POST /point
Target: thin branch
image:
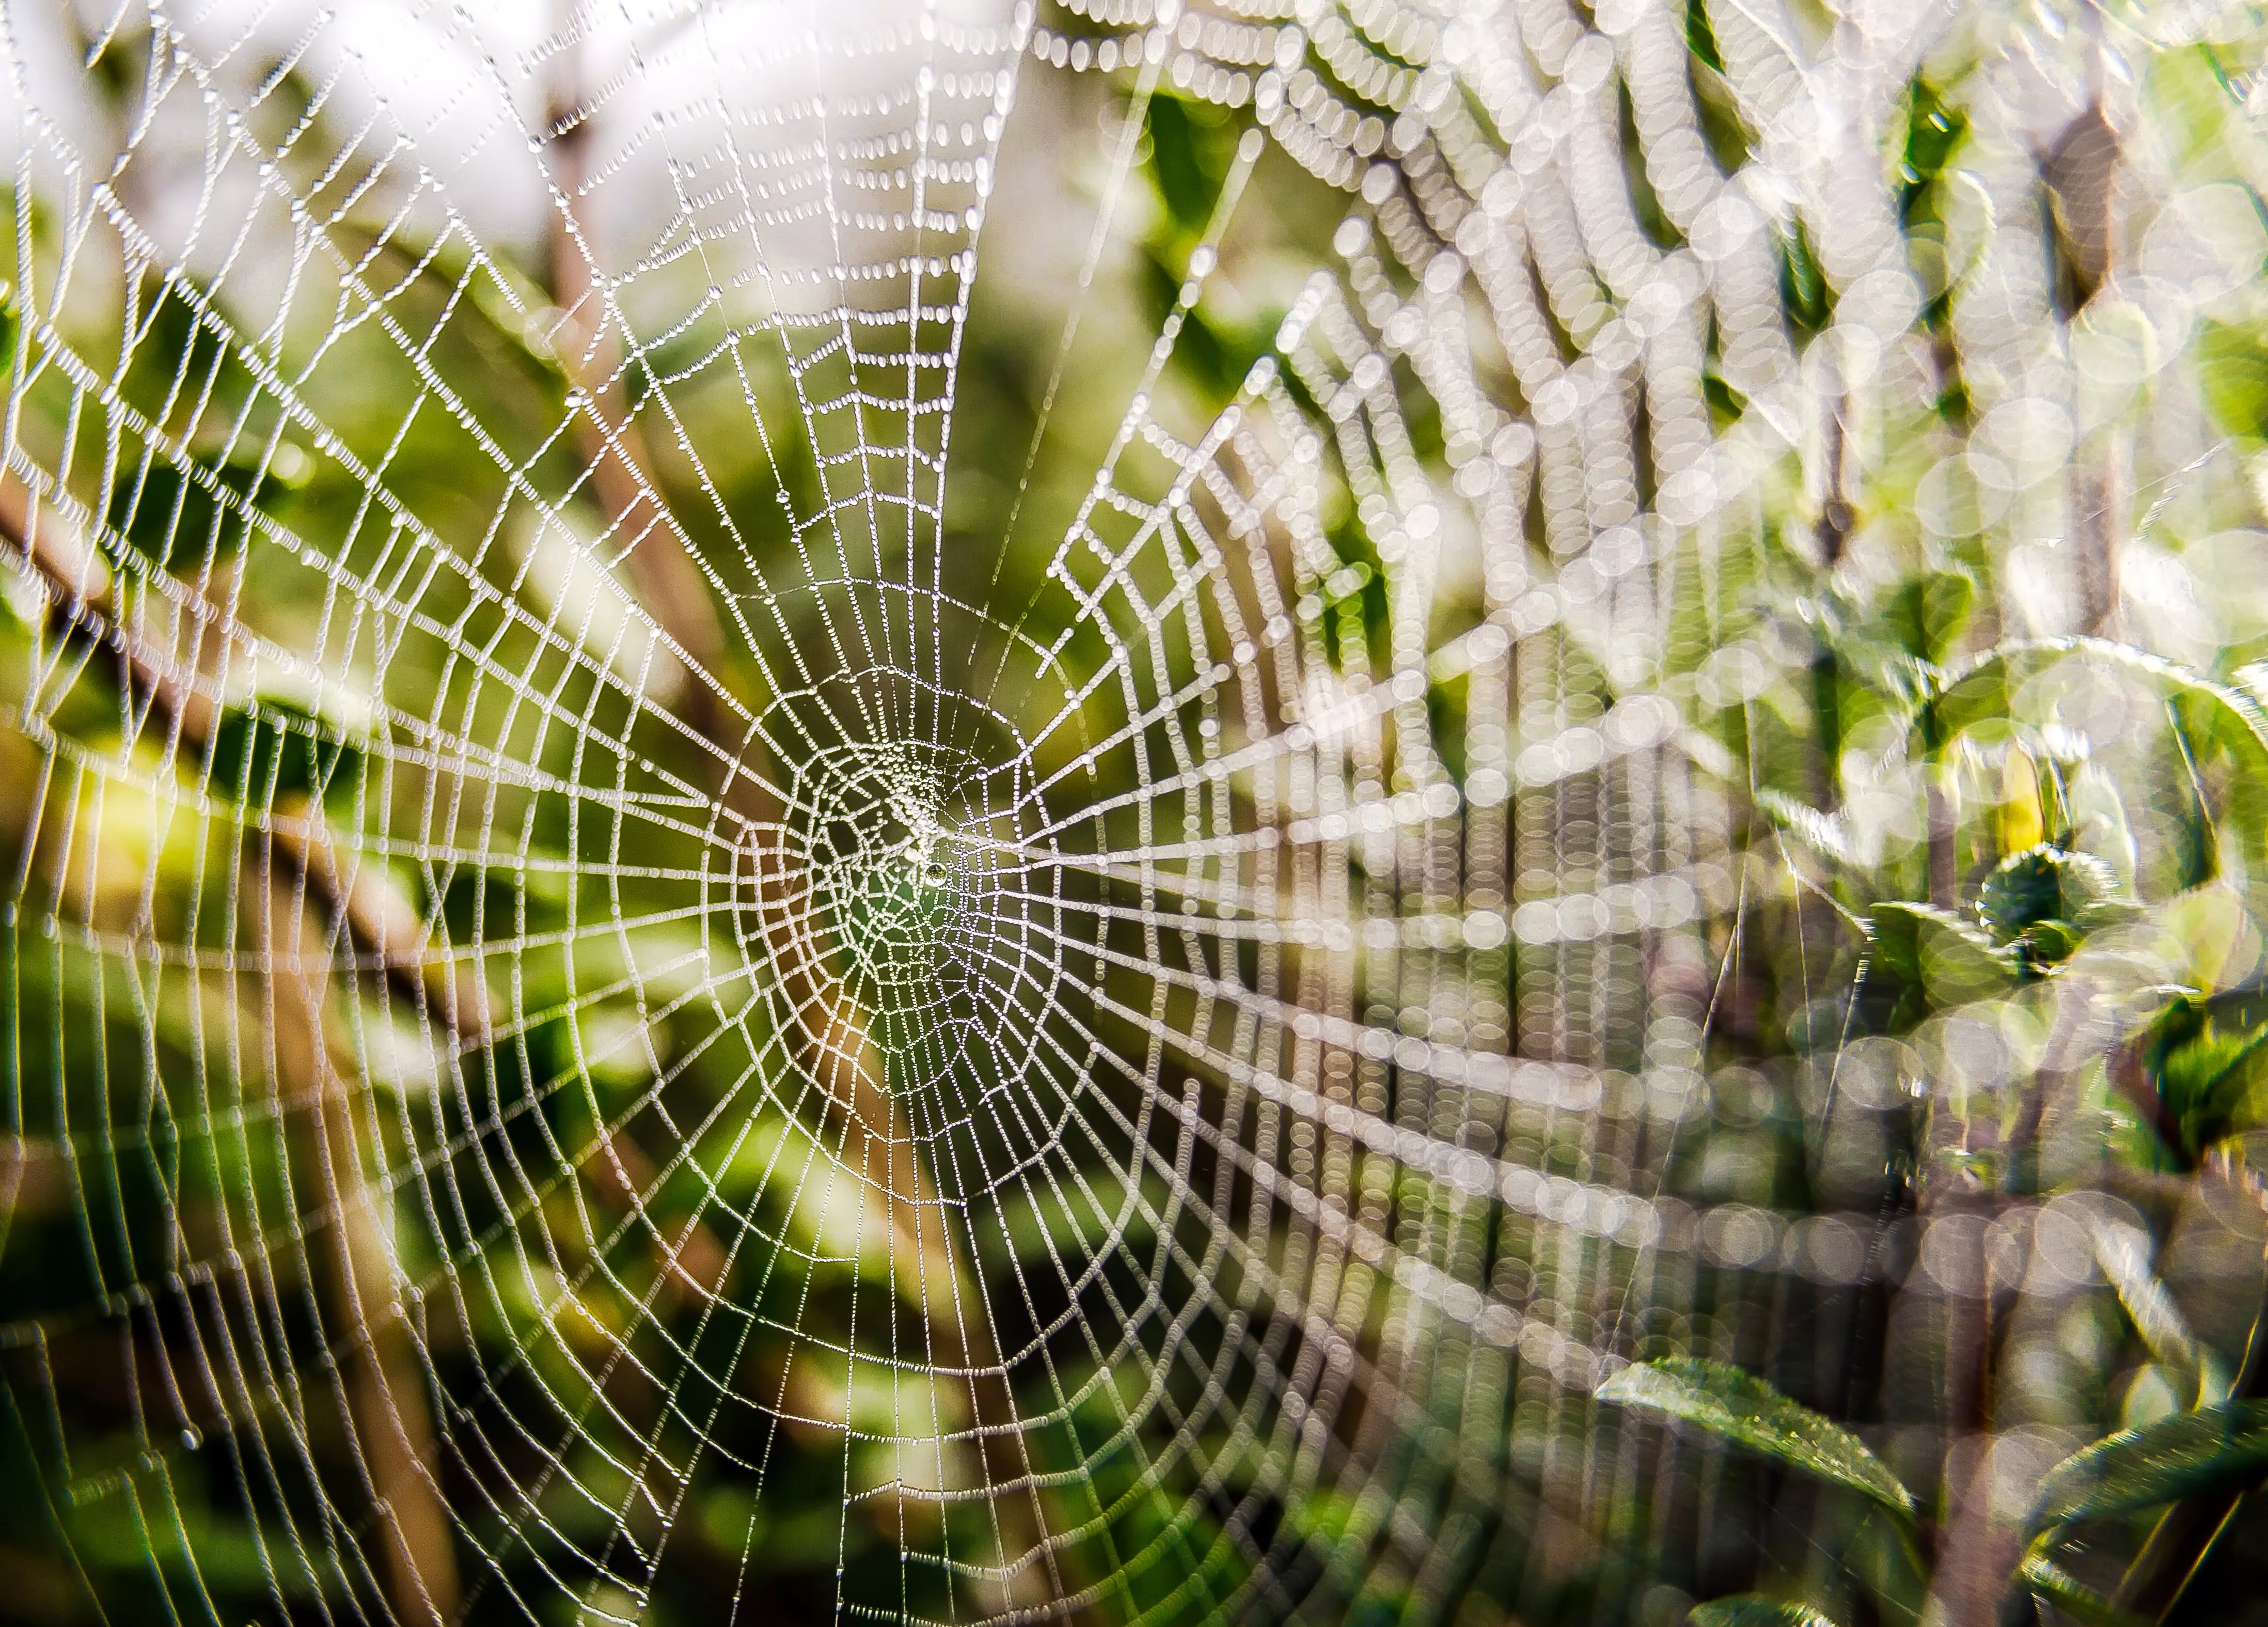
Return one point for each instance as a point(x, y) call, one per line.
point(392, 1426)
point(385, 1377)
point(667, 579)
point(383, 923)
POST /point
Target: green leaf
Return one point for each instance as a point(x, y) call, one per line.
point(2050, 1581)
point(1190, 144)
point(1701, 35)
point(2044, 900)
point(1740, 1408)
point(2251, 682)
point(1806, 298)
point(1935, 130)
point(2046, 883)
point(1823, 836)
point(2217, 721)
point(1936, 951)
point(2215, 1449)
point(2196, 842)
point(1723, 126)
point(276, 748)
point(1927, 613)
point(1757, 1610)
point(2122, 1251)
point(2206, 1055)
point(183, 513)
point(2232, 365)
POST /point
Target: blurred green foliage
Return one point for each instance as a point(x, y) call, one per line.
point(1943, 830)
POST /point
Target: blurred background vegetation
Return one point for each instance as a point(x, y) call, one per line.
point(1853, 853)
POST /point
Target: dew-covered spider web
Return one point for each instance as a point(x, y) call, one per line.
point(925, 811)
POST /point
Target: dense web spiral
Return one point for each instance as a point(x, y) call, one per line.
point(627, 1003)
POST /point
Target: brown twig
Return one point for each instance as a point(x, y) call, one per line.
point(2080, 174)
point(2099, 503)
point(81, 589)
point(623, 483)
point(694, 1260)
point(385, 926)
point(386, 1393)
point(1942, 834)
point(1832, 531)
point(392, 1427)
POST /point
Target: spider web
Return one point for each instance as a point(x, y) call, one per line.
point(605, 995)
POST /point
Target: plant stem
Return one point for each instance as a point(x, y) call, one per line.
point(393, 1433)
point(392, 1426)
point(662, 569)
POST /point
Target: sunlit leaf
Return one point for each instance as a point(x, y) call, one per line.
point(2050, 1581)
point(2218, 1448)
point(2218, 723)
point(2044, 900)
point(1935, 130)
point(1927, 613)
point(1757, 1610)
point(1823, 836)
point(2122, 1251)
point(2205, 1054)
point(2024, 825)
point(1940, 953)
point(1740, 1408)
point(2232, 364)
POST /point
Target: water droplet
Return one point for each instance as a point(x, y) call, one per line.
point(191, 1441)
point(933, 873)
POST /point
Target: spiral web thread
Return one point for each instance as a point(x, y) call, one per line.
point(1071, 1079)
